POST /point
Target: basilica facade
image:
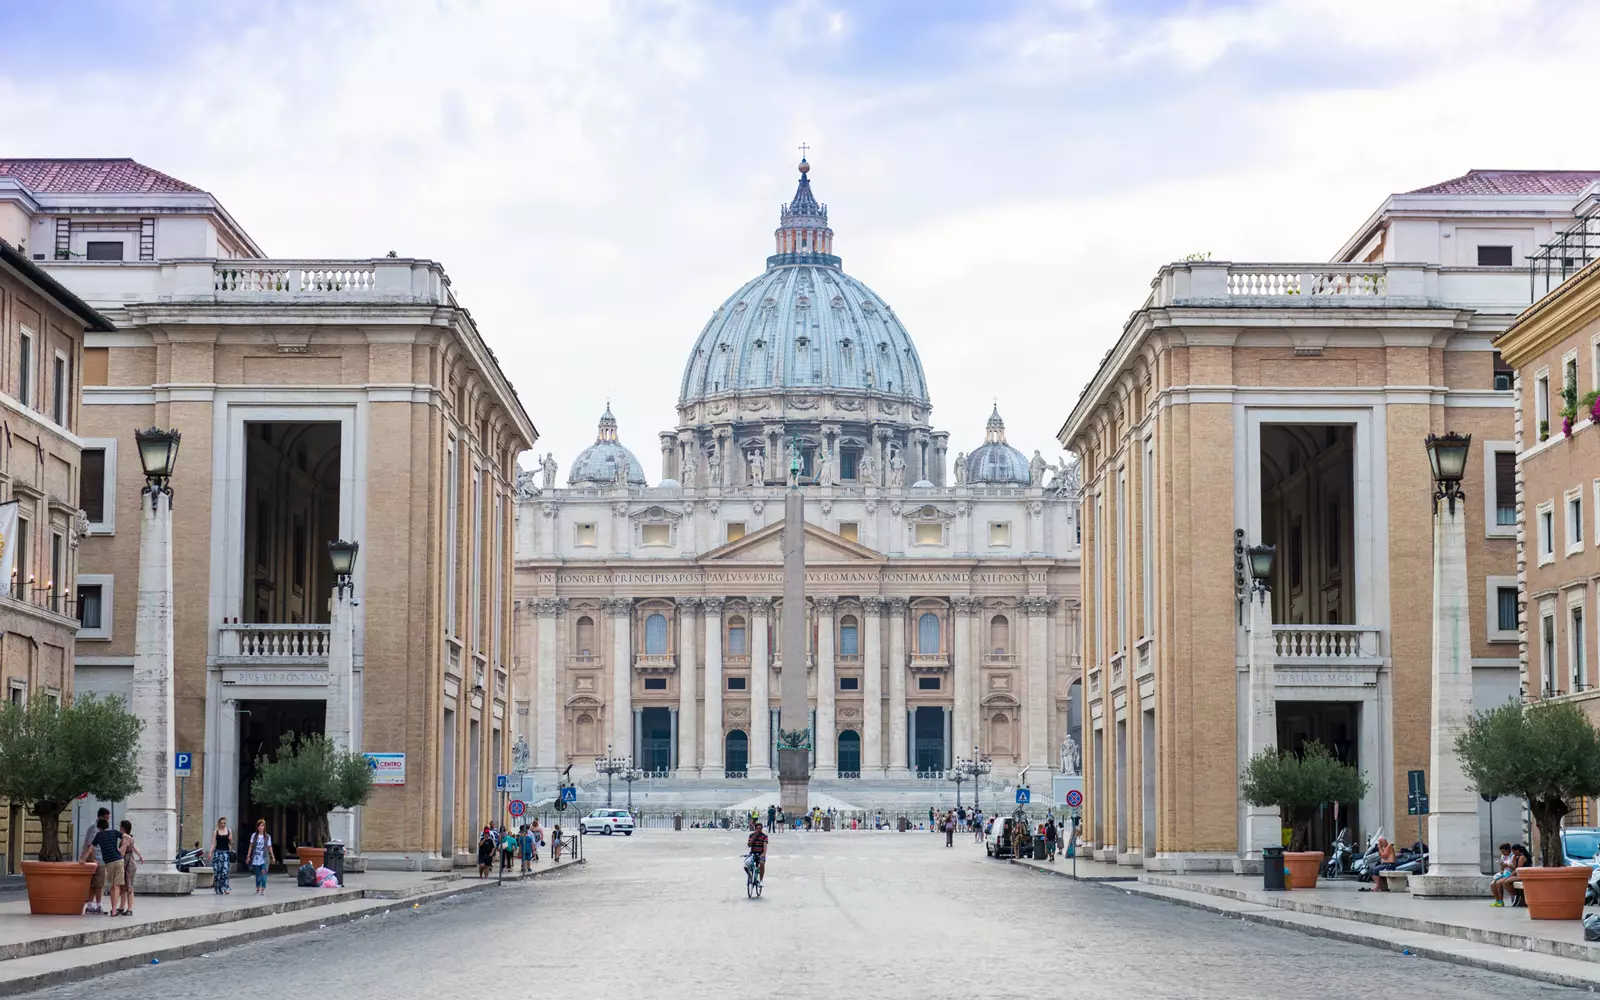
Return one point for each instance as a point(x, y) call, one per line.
point(942, 606)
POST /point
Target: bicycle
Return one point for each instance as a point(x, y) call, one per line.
point(752, 876)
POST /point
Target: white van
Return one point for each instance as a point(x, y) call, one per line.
point(997, 836)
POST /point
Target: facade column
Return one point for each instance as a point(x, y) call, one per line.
point(153, 809)
point(947, 736)
point(965, 711)
point(620, 611)
point(686, 726)
point(549, 611)
point(825, 739)
point(1038, 610)
point(636, 753)
point(898, 731)
point(760, 688)
point(712, 730)
point(872, 687)
point(677, 744)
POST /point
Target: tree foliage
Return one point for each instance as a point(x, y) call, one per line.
point(1298, 785)
point(312, 776)
point(1547, 754)
point(50, 754)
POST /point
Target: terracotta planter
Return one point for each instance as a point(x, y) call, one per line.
point(1303, 868)
point(310, 855)
point(1554, 893)
point(57, 888)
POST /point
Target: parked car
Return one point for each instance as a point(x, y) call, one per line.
point(1581, 845)
point(608, 821)
point(997, 837)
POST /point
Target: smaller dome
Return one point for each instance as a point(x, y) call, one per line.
point(995, 461)
point(922, 484)
point(601, 461)
point(669, 484)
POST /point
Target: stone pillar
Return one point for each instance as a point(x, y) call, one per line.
point(964, 724)
point(760, 688)
point(1263, 825)
point(669, 455)
point(1038, 610)
point(941, 446)
point(897, 688)
point(947, 737)
point(826, 739)
point(686, 725)
point(712, 730)
point(340, 721)
point(677, 744)
point(636, 748)
point(549, 612)
point(1453, 803)
point(872, 687)
point(153, 809)
point(620, 611)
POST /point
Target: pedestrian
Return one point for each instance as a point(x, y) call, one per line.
point(950, 829)
point(97, 883)
point(222, 858)
point(535, 838)
point(772, 817)
point(931, 825)
point(1050, 835)
point(977, 825)
point(556, 844)
point(508, 849)
point(485, 851)
point(260, 855)
point(106, 842)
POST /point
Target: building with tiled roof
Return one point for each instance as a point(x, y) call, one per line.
point(117, 175)
point(1514, 182)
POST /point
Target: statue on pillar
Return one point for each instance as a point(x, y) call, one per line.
point(1071, 757)
point(961, 468)
point(866, 473)
point(756, 468)
point(714, 467)
point(897, 470)
point(548, 467)
point(1036, 469)
point(824, 468)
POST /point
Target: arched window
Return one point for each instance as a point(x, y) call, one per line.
point(655, 635)
point(928, 633)
point(1000, 634)
point(736, 643)
point(585, 734)
point(586, 635)
point(849, 643)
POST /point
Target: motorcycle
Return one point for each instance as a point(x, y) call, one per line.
point(194, 858)
point(1342, 857)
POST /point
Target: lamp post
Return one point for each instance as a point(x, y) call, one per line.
point(1263, 825)
point(630, 774)
point(611, 766)
point(956, 775)
point(341, 700)
point(974, 767)
point(1453, 864)
point(152, 808)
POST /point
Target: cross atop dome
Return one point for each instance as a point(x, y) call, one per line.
point(803, 235)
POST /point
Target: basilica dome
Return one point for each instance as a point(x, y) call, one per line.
point(995, 461)
point(804, 326)
point(600, 462)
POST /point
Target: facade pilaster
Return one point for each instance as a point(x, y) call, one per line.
point(1038, 610)
point(548, 611)
point(965, 722)
point(897, 688)
point(872, 687)
point(712, 730)
point(686, 728)
point(620, 611)
point(825, 737)
point(760, 688)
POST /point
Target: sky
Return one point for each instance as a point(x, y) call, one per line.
point(598, 177)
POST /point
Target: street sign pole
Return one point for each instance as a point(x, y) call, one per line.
point(182, 764)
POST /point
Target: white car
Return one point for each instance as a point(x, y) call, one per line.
point(608, 821)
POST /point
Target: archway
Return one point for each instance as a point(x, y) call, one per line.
point(736, 754)
point(849, 754)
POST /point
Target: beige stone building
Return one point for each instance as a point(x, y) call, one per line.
point(42, 327)
point(318, 399)
point(1554, 349)
point(1287, 404)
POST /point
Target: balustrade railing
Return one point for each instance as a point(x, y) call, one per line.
point(1325, 644)
point(284, 643)
point(296, 279)
point(1338, 280)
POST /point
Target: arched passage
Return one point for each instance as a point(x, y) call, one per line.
point(849, 754)
point(736, 753)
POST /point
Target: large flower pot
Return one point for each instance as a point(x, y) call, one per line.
point(1554, 893)
point(1303, 868)
point(310, 856)
point(59, 888)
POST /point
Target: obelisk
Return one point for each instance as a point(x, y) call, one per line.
point(794, 717)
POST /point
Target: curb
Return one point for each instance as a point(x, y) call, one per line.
point(1067, 873)
point(94, 969)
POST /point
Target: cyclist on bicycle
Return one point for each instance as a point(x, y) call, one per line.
point(758, 847)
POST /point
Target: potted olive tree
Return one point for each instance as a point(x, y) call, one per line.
point(313, 777)
point(49, 755)
point(1298, 786)
point(1549, 755)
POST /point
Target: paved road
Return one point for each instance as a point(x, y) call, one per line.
point(860, 915)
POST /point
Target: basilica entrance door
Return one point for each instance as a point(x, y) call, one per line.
point(736, 754)
point(655, 739)
point(849, 754)
point(929, 739)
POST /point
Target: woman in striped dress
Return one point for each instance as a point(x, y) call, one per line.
point(222, 858)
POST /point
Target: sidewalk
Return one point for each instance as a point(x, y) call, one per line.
point(42, 951)
point(1087, 870)
point(1464, 931)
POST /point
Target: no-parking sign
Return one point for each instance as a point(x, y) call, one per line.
point(1074, 798)
point(517, 807)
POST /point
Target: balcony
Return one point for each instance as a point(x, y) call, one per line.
point(999, 659)
point(655, 663)
point(777, 663)
point(1145, 666)
point(384, 281)
point(930, 663)
point(1322, 285)
point(847, 660)
point(1119, 672)
point(1094, 684)
point(1326, 646)
point(273, 645)
point(584, 661)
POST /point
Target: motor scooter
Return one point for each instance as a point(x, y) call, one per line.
point(1341, 857)
point(1364, 866)
point(186, 860)
point(1591, 893)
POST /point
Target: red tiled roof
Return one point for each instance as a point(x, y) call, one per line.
point(1514, 182)
point(109, 176)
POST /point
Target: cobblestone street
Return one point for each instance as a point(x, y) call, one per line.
point(876, 915)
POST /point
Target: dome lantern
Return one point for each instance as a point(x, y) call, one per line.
point(803, 236)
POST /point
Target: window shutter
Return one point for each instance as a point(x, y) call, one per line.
point(1505, 478)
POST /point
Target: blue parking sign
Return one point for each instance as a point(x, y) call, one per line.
point(1023, 795)
point(182, 764)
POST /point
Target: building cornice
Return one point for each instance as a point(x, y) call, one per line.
point(1575, 303)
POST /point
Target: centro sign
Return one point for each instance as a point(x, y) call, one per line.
point(387, 768)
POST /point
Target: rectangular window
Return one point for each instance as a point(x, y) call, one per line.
point(1547, 532)
point(657, 534)
point(1147, 549)
point(1503, 374)
point(96, 366)
point(849, 639)
point(849, 460)
point(18, 694)
point(452, 518)
point(93, 607)
point(475, 586)
point(735, 530)
point(1575, 641)
point(929, 534)
point(736, 636)
point(736, 683)
point(655, 683)
point(89, 606)
point(849, 684)
point(1494, 257)
point(1541, 404)
point(1549, 644)
point(1574, 521)
point(60, 389)
point(583, 535)
point(104, 250)
point(23, 567)
point(1505, 487)
point(1506, 606)
point(25, 371)
point(927, 683)
point(999, 534)
point(92, 484)
point(849, 531)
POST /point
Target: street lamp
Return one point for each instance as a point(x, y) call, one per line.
point(957, 775)
point(343, 556)
point(158, 454)
point(611, 766)
point(1447, 455)
point(974, 767)
point(630, 774)
point(339, 712)
point(1260, 560)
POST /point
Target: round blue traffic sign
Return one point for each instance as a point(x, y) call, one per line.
point(1074, 798)
point(518, 807)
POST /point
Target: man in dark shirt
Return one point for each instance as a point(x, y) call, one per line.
point(107, 842)
point(758, 846)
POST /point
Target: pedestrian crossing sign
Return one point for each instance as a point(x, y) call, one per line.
point(1023, 796)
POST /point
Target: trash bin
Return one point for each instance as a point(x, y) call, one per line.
point(333, 858)
point(827, 824)
point(901, 826)
point(677, 821)
point(1272, 869)
point(1041, 848)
